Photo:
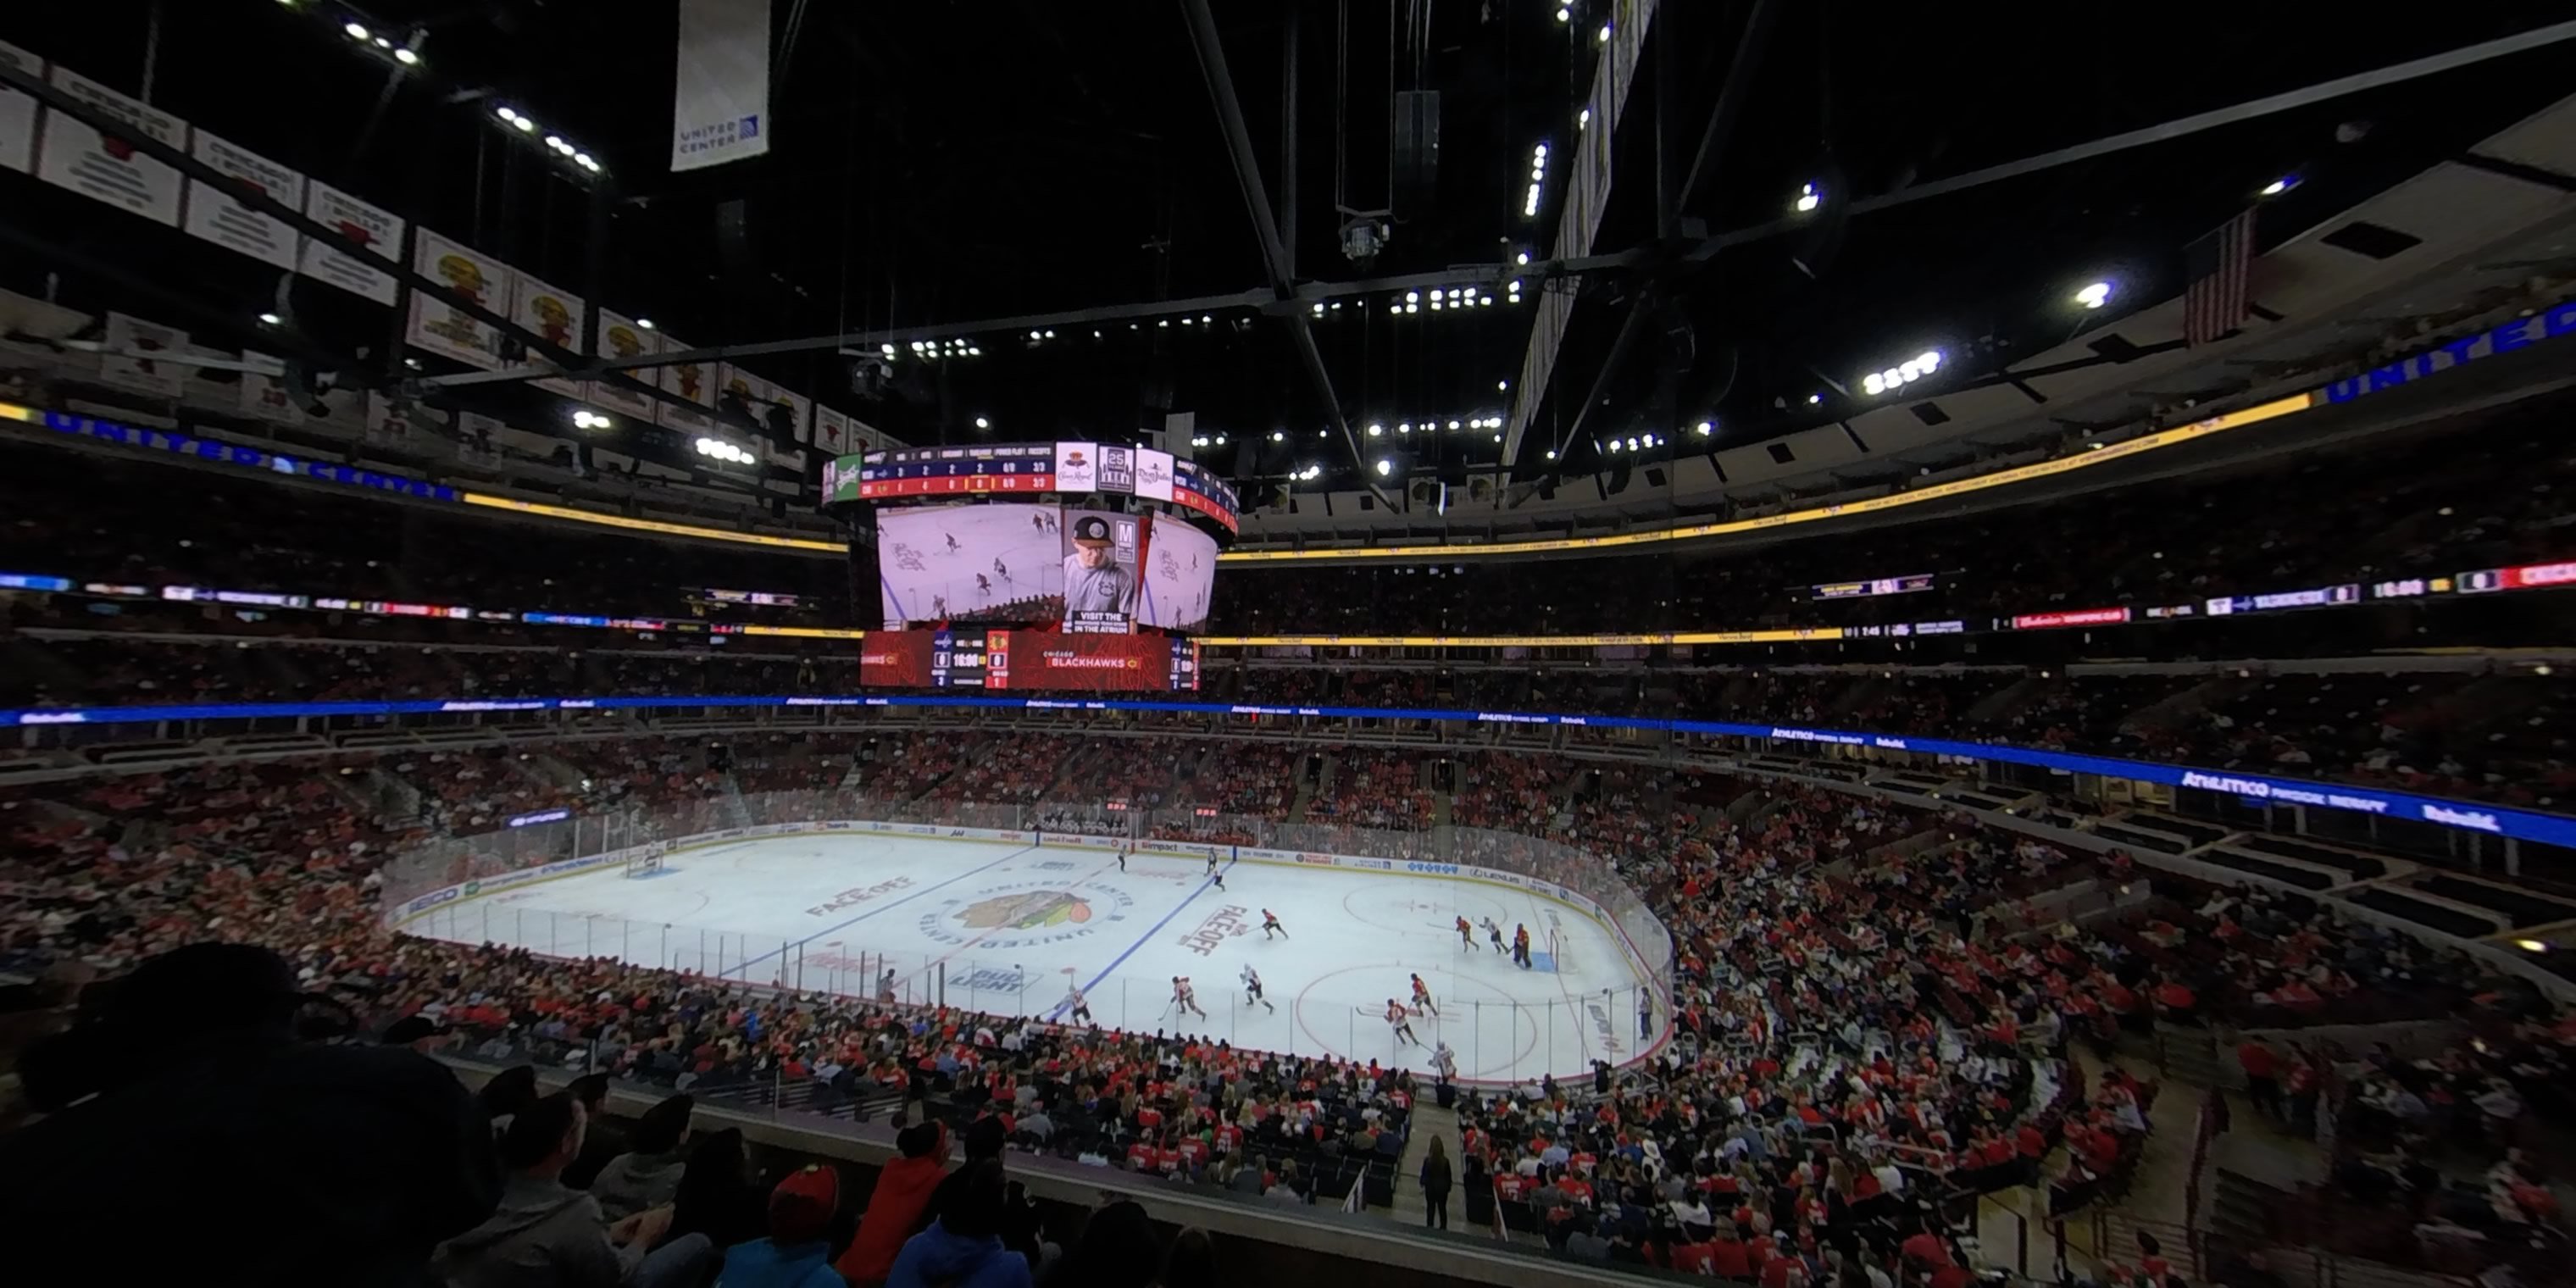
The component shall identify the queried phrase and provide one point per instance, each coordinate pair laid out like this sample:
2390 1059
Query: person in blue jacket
797 1253
963 1248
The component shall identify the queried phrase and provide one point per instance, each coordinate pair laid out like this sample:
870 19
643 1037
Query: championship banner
800 410
18 113
753 392
108 168
555 316
831 431
620 338
376 228
720 101
129 364
441 327
694 381
213 213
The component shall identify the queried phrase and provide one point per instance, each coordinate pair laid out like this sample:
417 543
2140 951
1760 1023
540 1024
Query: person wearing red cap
796 1253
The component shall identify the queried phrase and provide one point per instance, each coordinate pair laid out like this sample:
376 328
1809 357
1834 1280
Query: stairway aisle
1428 1120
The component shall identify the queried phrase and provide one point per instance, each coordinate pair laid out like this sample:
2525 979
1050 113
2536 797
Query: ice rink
1008 929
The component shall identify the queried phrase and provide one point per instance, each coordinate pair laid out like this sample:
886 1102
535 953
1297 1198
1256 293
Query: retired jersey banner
403 426
107 166
263 390
720 104
215 215
555 315
438 325
619 338
374 227
18 112
800 411
695 381
133 360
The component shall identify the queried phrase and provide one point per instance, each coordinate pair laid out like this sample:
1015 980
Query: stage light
1551 453
1603 37
1453 424
1377 431
1405 428
2531 945
507 113
2281 185
1815 400
1412 296
1384 467
1808 199
2094 296
644 323
271 319
1279 436
526 125
982 423
1502 386
356 30
406 57
1565 15
1521 258
1583 119
382 43
1706 428
583 159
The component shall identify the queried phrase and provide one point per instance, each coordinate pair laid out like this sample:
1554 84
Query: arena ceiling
947 161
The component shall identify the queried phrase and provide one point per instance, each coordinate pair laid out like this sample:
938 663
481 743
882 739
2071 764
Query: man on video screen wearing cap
1094 582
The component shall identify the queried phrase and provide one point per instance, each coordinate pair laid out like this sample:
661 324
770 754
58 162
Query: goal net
646 859
1556 952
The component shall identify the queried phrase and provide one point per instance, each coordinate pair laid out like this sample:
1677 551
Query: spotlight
1808 198
644 323
1565 15
2281 185
1377 431
507 113
271 319
2531 945
1603 37
982 423
1815 400
1384 467
1706 428
1279 436
1551 453
356 30
1502 386
406 57
2094 296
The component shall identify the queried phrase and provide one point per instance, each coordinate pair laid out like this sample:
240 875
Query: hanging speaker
1417 151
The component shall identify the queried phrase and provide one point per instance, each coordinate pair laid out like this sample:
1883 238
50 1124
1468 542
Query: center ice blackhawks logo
1024 914
1026 911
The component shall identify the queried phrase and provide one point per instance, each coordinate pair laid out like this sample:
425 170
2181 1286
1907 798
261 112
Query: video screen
973 657
1180 573
1007 563
971 563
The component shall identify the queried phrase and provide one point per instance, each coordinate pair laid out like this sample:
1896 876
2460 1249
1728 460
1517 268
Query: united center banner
720 103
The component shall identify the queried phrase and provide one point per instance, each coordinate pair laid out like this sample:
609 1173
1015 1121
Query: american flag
2216 265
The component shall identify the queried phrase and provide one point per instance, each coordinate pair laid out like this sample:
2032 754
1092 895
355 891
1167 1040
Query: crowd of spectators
1851 1020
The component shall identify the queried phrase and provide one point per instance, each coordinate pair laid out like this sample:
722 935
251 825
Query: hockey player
1184 998
1444 1061
1270 925
1521 947
1401 1021
1494 931
1422 997
1466 935
1252 989
1077 1007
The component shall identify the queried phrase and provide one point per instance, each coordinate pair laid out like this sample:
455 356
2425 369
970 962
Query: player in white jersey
1077 1007
1444 1061
1494 931
1401 1020
1252 989
1185 998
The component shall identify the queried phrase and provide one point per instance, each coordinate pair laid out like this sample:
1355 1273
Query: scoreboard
974 657
1030 469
